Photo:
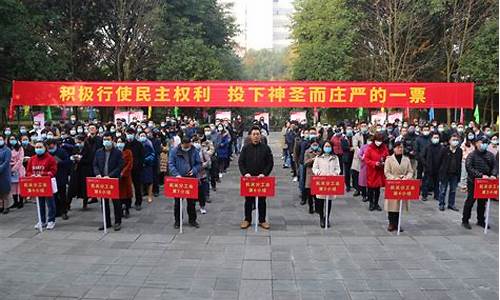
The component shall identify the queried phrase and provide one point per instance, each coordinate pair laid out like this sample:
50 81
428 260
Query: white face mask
378 143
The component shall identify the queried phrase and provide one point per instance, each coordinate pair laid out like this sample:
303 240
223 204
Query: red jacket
336 141
375 174
43 165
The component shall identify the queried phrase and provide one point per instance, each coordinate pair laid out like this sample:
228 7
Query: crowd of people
139 153
367 154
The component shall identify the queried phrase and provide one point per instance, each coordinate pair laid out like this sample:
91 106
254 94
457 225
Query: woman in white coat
327 164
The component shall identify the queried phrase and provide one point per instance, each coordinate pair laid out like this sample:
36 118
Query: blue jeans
302 179
430 182
452 182
237 145
51 204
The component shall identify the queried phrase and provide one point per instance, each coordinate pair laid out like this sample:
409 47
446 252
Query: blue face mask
52 150
142 139
315 147
484 147
120 146
13 142
130 137
107 144
327 150
25 142
39 151
2 142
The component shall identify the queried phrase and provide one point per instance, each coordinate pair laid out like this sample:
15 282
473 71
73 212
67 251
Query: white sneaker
203 210
220 175
51 225
295 179
37 226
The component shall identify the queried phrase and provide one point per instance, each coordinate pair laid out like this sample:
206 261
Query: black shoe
102 227
466 226
14 205
377 207
65 216
126 213
482 225
208 200
365 199
1 209
424 198
303 202
194 224
20 204
138 207
156 194
356 193
371 207
311 210
92 201
441 208
214 189
177 225
117 227
322 222
5 211
453 208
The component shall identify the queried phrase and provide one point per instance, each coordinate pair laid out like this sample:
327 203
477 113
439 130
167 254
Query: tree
266 64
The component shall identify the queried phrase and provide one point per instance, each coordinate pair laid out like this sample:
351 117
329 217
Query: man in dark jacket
421 143
450 171
479 164
256 159
185 161
63 170
347 156
138 154
108 163
432 162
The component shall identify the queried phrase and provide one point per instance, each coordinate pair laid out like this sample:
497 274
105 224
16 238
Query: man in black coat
108 162
432 162
138 154
63 171
256 159
450 171
479 164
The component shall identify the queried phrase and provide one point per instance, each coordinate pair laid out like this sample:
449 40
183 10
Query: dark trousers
309 198
320 207
191 210
347 174
430 182
469 203
451 181
355 176
223 164
393 218
203 190
136 180
156 178
420 170
373 196
249 205
127 202
341 164
363 191
117 209
62 204
214 172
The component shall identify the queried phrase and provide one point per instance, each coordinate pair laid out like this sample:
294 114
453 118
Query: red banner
327 185
403 189
35 186
257 186
244 94
181 187
100 187
485 188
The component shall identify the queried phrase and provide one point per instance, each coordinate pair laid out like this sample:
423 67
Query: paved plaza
435 258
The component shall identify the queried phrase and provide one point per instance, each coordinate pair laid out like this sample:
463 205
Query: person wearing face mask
362 179
493 146
374 158
422 142
149 162
63 171
336 142
184 161
304 145
299 138
358 140
86 159
138 153
467 148
449 172
309 156
326 164
397 166
125 182
208 144
223 149
256 159
17 170
202 175
108 163
432 163
479 164
460 130
5 175
43 164
347 156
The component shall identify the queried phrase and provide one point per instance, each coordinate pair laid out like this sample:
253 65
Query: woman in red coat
374 159
125 176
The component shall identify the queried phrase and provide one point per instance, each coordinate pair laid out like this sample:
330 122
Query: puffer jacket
480 163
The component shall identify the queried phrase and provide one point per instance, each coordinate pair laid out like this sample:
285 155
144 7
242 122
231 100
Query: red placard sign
402 189
35 186
327 185
181 187
485 188
100 187
257 186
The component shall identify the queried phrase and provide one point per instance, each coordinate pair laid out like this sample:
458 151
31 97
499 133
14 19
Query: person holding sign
44 164
397 166
256 159
479 164
327 164
108 163
5 175
184 161
374 158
